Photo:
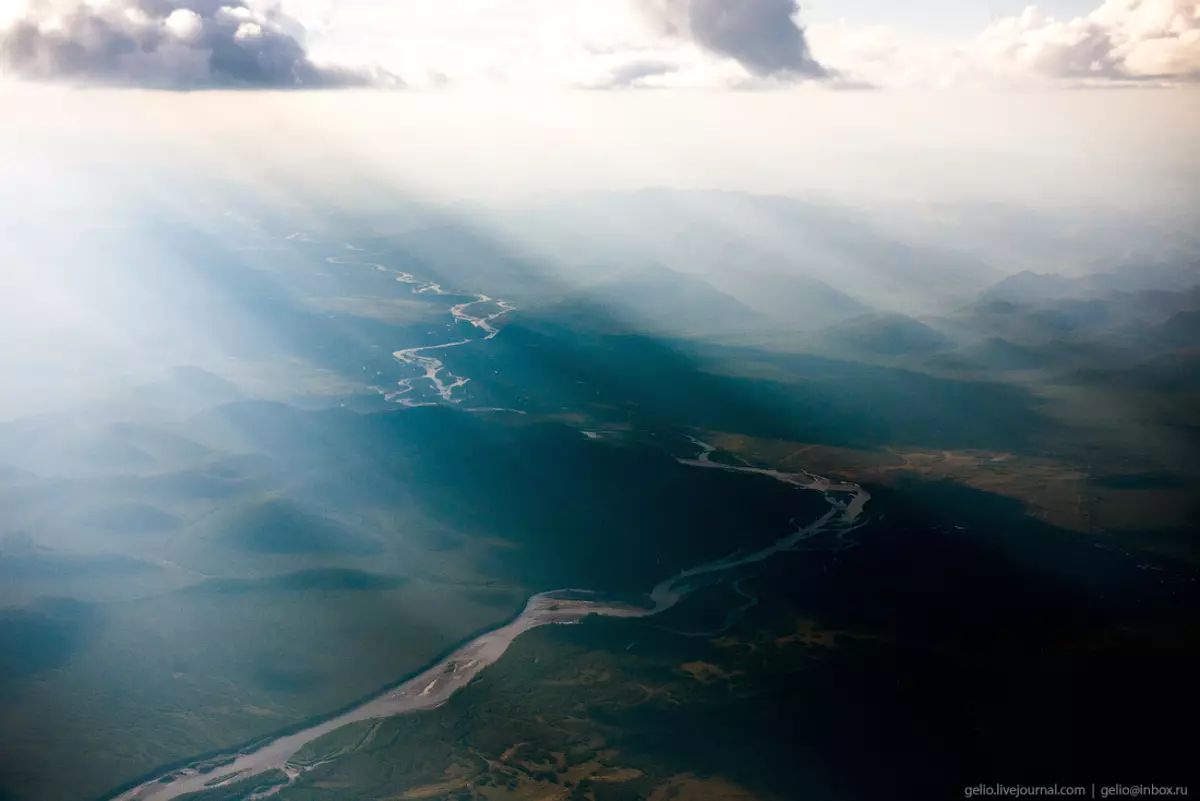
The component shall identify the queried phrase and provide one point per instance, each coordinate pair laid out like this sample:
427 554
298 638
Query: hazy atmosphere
830 367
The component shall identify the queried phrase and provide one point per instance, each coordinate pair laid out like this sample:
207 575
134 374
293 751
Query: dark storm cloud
170 44
762 35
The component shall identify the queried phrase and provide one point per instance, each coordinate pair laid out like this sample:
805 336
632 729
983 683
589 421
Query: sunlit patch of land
707 673
458 775
811 633
689 787
806 632
1054 491
511 752
562 748
733 642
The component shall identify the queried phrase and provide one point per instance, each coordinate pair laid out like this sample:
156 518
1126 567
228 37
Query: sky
117 116
1091 104
600 44
936 18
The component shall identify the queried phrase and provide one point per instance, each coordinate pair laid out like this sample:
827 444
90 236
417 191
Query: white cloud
166 44
620 44
744 44
235 14
184 24
248 30
1122 41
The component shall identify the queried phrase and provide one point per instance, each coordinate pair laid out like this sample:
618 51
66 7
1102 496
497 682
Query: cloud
762 35
634 74
168 44
1123 40
595 44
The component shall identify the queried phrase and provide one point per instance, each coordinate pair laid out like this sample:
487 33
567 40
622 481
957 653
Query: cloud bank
761 35
1122 40
168 44
593 44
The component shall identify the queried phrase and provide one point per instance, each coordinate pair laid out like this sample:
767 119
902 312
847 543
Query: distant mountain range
657 298
1037 288
1046 323
796 302
885 335
802 252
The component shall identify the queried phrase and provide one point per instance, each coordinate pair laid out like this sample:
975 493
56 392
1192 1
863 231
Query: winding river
433 370
434 686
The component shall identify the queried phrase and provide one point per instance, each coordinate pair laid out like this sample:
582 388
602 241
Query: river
433 370
435 685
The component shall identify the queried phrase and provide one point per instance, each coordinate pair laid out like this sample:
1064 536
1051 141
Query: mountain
660 299
710 234
1182 330
74 445
1030 287
469 255
791 301
1105 329
185 390
885 335
1172 374
1040 288
237 567
280 526
1167 275
996 353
